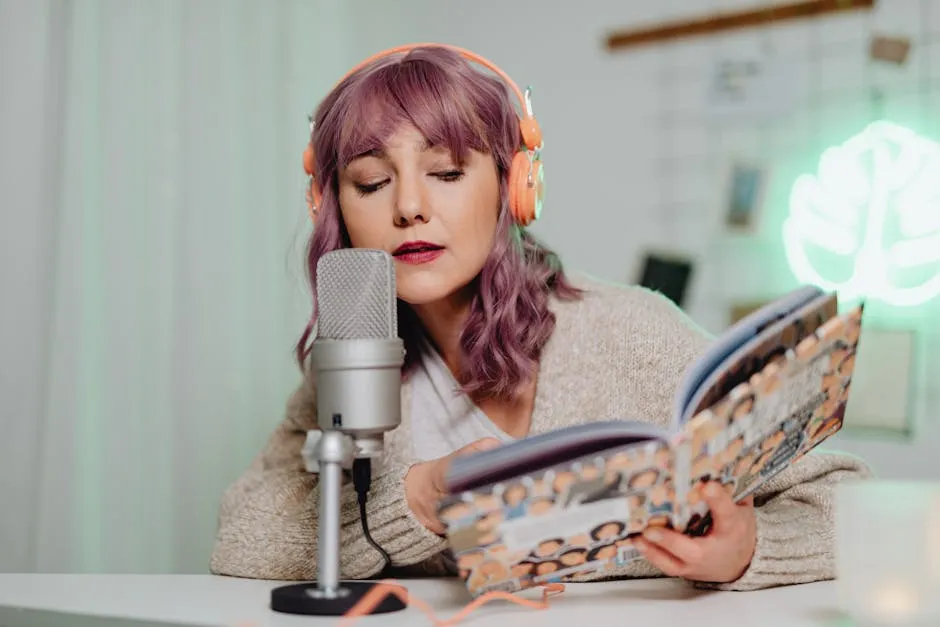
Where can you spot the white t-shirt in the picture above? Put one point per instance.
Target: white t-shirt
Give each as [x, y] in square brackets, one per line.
[443, 419]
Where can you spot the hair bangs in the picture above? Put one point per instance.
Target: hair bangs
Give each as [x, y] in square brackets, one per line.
[414, 92]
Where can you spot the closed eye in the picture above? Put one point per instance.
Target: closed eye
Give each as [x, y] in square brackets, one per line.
[364, 189]
[449, 176]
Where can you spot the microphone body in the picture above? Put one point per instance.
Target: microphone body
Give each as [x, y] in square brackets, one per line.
[357, 353]
[359, 389]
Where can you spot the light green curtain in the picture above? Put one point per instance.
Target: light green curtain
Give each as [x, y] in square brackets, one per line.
[152, 286]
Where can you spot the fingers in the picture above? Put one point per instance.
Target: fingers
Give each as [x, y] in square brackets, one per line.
[684, 548]
[660, 558]
[720, 504]
[720, 556]
[480, 445]
[421, 496]
[442, 465]
[425, 483]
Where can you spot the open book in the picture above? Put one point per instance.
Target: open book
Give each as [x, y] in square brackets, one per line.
[559, 505]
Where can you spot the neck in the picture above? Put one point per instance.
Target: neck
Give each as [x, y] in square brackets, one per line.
[444, 321]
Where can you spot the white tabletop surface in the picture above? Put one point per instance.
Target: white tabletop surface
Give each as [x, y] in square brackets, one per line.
[153, 600]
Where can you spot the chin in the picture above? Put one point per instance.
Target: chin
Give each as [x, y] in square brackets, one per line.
[421, 296]
[417, 291]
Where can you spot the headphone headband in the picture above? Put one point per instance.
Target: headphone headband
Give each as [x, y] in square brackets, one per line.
[524, 98]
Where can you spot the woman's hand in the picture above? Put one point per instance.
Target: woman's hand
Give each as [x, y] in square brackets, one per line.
[721, 556]
[425, 484]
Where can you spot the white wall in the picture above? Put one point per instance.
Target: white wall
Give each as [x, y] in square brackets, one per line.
[633, 163]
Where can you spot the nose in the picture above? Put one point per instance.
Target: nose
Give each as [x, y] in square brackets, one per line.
[410, 201]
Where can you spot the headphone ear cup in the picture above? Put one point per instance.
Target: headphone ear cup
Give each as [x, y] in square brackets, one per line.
[525, 201]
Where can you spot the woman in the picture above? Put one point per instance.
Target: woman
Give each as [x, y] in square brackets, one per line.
[418, 154]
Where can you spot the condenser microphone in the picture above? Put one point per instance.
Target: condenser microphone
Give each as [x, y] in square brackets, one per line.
[357, 354]
[357, 358]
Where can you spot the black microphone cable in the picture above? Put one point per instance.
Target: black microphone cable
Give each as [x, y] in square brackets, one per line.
[362, 481]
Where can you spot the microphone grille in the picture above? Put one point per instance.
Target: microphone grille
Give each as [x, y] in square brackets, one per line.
[356, 295]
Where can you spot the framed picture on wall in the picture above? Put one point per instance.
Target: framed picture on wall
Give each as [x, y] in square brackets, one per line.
[882, 396]
[753, 84]
[747, 188]
[889, 49]
[668, 274]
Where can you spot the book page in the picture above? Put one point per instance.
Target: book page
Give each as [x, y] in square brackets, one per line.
[772, 420]
[544, 450]
[772, 342]
[561, 523]
[736, 336]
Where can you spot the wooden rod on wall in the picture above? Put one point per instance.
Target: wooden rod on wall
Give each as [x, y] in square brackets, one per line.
[723, 22]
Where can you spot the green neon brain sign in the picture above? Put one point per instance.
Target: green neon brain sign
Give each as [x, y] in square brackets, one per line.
[867, 223]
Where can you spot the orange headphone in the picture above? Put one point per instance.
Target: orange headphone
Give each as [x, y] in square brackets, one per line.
[526, 176]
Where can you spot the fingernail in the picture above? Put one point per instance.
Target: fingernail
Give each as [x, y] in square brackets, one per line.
[652, 535]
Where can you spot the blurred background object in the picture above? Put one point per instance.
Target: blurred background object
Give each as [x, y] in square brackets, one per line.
[153, 220]
[669, 274]
[890, 49]
[889, 582]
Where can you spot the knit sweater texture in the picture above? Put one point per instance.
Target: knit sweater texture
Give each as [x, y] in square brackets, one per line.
[617, 353]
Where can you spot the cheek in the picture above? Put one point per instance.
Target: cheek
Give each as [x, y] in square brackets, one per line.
[484, 241]
[363, 232]
[478, 229]
[471, 210]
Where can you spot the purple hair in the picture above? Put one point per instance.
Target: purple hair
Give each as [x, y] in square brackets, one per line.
[453, 105]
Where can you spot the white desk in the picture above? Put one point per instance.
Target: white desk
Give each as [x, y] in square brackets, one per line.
[151, 600]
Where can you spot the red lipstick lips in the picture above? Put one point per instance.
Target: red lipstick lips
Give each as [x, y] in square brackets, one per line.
[418, 252]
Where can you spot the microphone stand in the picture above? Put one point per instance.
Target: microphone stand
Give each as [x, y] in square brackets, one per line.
[328, 596]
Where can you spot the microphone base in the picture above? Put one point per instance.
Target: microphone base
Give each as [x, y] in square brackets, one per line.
[309, 600]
